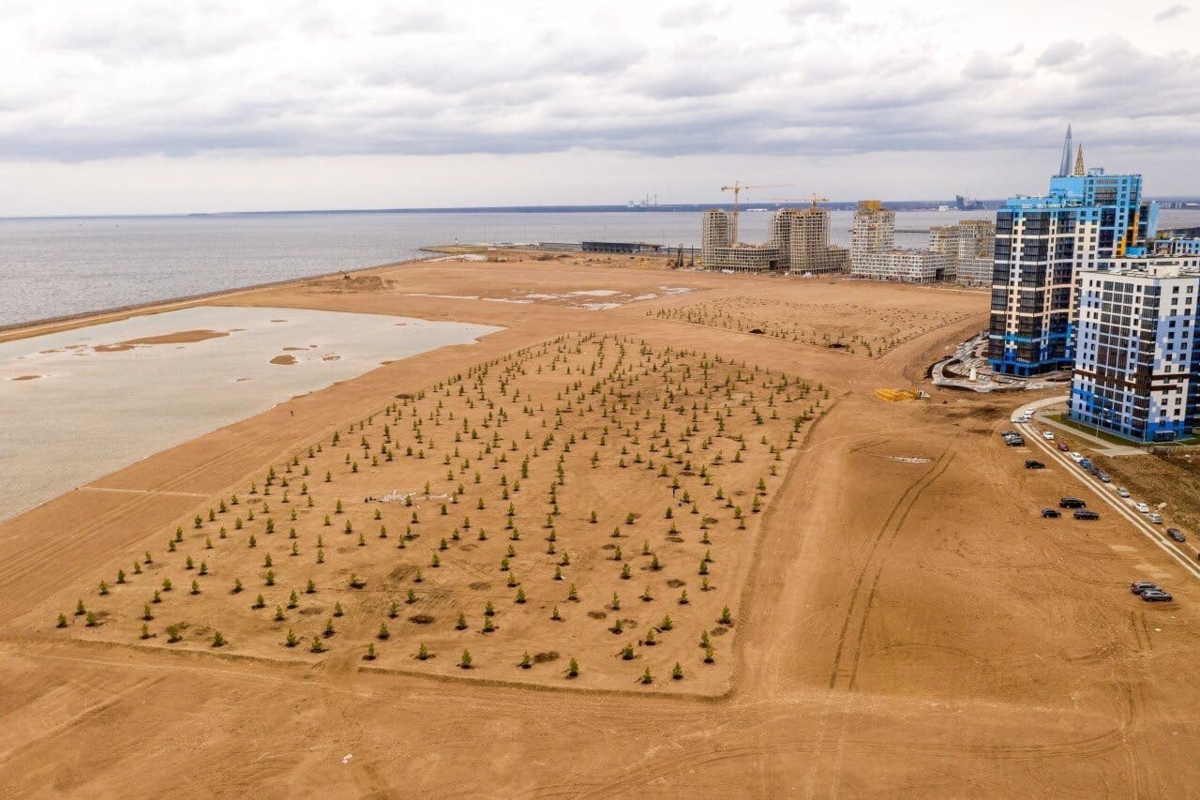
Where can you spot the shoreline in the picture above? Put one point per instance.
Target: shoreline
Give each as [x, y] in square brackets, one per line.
[23, 330]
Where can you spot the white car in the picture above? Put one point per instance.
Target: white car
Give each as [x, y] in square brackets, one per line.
[1077, 457]
[1048, 436]
[1122, 491]
[1155, 518]
[1142, 508]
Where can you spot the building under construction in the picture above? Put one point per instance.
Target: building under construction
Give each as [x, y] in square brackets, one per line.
[969, 245]
[798, 243]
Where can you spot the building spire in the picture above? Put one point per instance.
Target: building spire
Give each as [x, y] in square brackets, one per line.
[1079, 171]
[1064, 166]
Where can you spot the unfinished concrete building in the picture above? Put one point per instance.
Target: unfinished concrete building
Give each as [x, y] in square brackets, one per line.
[804, 238]
[720, 252]
[969, 246]
[798, 241]
[874, 256]
[873, 229]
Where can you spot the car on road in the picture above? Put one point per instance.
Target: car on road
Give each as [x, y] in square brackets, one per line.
[1077, 457]
[1137, 587]
[1048, 436]
[1085, 514]
[1071, 502]
[1176, 534]
[1051, 513]
[1155, 518]
[1063, 446]
[1142, 508]
[1104, 477]
[1122, 491]
[1031, 464]
[1156, 596]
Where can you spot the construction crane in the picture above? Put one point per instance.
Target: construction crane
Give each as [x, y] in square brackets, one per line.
[814, 199]
[736, 188]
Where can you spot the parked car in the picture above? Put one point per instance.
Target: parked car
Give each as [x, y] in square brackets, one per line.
[1077, 457]
[1122, 491]
[1063, 446]
[1176, 534]
[1085, 514]
[1048, 436]
[1071, 502]
[1015, 441]
[1031, 464]
[1085, 464]
[1051, 513]
[1156, 596]
[1137, 587]
[1104, 477]
[1006, 434]
[1142, 508]
[1155, 518]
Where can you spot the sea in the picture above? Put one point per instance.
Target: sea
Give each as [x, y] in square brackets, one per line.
[53, 267]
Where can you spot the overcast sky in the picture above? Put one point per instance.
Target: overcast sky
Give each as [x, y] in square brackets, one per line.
[112, 107]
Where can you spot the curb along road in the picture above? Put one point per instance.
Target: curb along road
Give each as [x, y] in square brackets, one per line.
[1170, 547]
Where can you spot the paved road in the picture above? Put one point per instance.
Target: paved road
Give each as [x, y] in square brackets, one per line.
[1184, 554]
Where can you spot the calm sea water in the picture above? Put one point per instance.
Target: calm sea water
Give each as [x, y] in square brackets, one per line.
[55, 267]
[74, 418]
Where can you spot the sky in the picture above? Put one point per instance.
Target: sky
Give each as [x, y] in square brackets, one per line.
[126, 106]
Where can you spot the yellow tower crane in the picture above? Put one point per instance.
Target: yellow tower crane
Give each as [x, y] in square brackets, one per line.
[814, 199]
[736, 188]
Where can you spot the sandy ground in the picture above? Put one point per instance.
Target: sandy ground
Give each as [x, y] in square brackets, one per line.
[903, 621]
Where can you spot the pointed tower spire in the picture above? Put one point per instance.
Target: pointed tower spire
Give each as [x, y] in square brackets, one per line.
[1079, 171]
[1064, 166]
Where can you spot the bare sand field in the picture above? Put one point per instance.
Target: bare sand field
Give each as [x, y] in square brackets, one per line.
[885, 611]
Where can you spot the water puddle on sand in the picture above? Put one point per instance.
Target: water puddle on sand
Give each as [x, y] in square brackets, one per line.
[77, 405]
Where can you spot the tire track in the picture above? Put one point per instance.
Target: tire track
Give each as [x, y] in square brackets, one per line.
[905, 502]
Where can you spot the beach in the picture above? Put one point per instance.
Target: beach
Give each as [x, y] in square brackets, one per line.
[862, 596]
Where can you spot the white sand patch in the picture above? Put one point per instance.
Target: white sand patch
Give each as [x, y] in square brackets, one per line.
[596, 293]
[517, 300]
[598, 306]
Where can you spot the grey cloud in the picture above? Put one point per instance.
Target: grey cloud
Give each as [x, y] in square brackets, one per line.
[1170, 12]
[799, 11]
[986, 67]
[1060, 52]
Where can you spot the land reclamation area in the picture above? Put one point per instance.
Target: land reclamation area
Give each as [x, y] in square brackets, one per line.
[886, 610]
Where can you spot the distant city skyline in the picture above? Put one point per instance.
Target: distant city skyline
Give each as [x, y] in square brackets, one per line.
[135, 107]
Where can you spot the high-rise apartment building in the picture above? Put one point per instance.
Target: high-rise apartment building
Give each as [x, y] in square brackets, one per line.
[873, 229]
[1087, 220]
[803, 235]
[1137, 361]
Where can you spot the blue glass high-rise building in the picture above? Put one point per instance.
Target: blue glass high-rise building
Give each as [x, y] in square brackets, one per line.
[1087, 219]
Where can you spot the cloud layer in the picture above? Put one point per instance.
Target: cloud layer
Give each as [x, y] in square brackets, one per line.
[810, 78]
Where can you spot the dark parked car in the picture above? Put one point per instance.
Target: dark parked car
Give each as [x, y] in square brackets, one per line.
[1051, 513]
[1071, 502]
[1176, 534]
[1083, 513]
[1031, 464]
[1137, 587]
[1066, 448]
[1156, 596]
[1016, 441]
